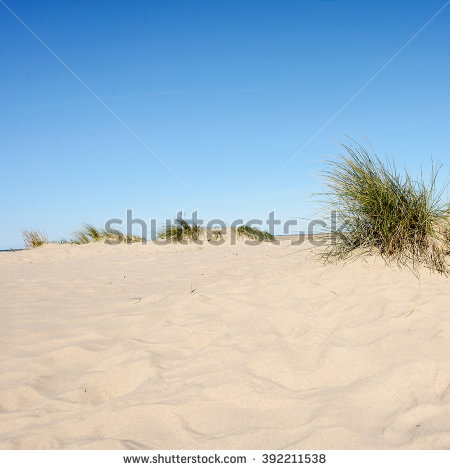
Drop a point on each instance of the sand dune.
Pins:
(107, 347)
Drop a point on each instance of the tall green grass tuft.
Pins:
(91, 234)
(182, 231)
(34, 238)
(384, 211)
(245, 231)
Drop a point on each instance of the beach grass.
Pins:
(380, 209)
(252, 233)
(34, 238)
(90, 234)
(182, 231)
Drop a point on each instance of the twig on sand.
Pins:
(410, 313)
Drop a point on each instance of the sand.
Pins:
(219, 347)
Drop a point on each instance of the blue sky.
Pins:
(224, 93)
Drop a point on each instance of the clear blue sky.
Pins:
(223, 92)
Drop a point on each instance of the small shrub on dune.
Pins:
(34, 238)
(182, 231)
(384, 211)
(251, 233)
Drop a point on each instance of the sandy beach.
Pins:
(220, 347)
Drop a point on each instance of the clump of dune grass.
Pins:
(215, 234)
(34, 238)
(252, 233)
(380, 209)
(91, 234)
(182, 231)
